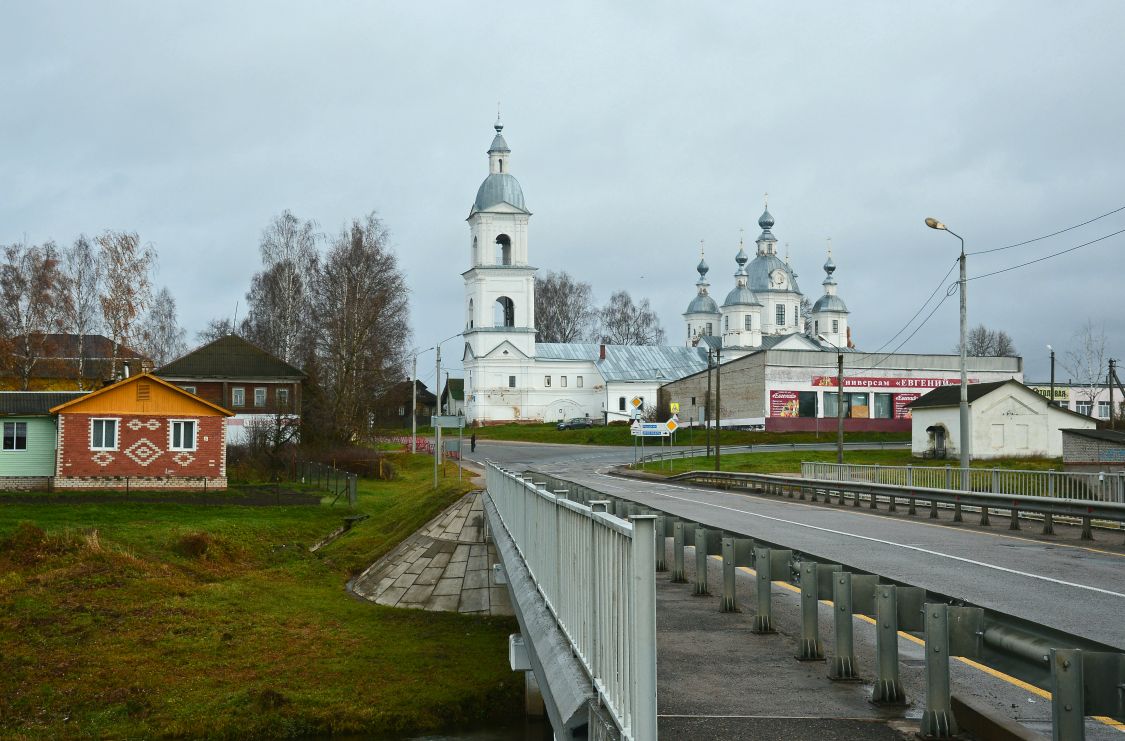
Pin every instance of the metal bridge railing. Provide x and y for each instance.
(1098, 487)
(700, 451)
(597, 575)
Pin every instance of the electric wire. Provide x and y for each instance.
(1047, 236)
(1047, 257)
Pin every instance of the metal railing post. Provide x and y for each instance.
(1068, 721)
(937, 720)
(728, 603)
(888, 689)
(661, 543)
(763, 620)
(678, 575)
(644, 626)
(843, 660)
(810, 648)
(1048, 518)
(701, 538)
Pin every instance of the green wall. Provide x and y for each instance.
(39, 458)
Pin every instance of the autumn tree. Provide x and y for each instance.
(564, 308)
(30, 287)
(162, 338)
(360, 301)
(127, 288)
(80, 283)
(982, 342)
(622, 322)
(279, 298)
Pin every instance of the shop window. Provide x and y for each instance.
(884, 406)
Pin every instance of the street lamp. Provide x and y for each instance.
(1052, 401)
(935, 224)
(839, 399)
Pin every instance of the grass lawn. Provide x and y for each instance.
(132, 620)
(790, 461)
(619, 435)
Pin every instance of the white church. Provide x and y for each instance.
(511, 377)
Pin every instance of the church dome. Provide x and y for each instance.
(741, 296)
(765, 221)
(762, 267)
(702, 304)
(497, 188)
(830, 303)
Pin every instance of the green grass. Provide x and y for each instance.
(140, 620)
(619, 435)
(790, 461)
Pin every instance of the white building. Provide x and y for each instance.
(1006, 420)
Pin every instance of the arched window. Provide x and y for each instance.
(504, 312)
(503, 250)
(501, 161)
(470, 313)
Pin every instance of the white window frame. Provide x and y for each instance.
(282, 397)
(1103, 410)
(562, 381)
(116, 432)
(265, 397)
(835, 326)
(779, 315)
(235, 392)
(747, 322)
(578, 383)
(194, 435)
(547, 381)
(15, 437)
(1084, 407)
(511, 382)
(189, 389)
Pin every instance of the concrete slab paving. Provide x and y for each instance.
(474, 600)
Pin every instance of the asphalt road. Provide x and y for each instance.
(1060, 581)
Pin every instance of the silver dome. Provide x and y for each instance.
(765, 220)
(702, 305)
(741, 296)
(830, 303)
(759, 271)
(497, 188)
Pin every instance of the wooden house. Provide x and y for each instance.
(141, 433)
(29, 430)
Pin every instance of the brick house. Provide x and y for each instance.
(1093, 450)
(260, 388)
(141, 433)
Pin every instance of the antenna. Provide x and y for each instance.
(234, 324)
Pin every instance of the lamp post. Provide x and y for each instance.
(1052, 401)
(964, 406)
(839, 399)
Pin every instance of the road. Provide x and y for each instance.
(1059, 582)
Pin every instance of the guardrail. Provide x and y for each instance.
(1084, 677)
(701, 450)
(893, 495)
(1103, 486)
(596, 573)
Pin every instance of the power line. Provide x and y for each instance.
(1048, 257)
(1048, 236)
(920, 310)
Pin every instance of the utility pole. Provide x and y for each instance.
(1109, 384)
(414, 406)
(437, 427)
(840, 406)
(707, 404)
(718, 405)
(1052, 397)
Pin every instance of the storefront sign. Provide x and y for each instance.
(901, 400)
(889, 383)
(785, 404)
(1061, 392)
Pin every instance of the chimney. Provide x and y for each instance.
(601, 353)
(146, 366)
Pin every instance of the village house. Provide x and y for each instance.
(140, 433)
(56, 365)
(27, 455)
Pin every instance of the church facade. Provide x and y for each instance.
(511, 377)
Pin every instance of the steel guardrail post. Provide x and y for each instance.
(763, 620)
(644, 627)
(1087, 528)
(1048, 518)
(678, 576)
(661, 543)
(888, 689)
(728, 602)
(843, 659)
(1068, 721)
(1015, 523)
(702, 536)
(810, 648)
(937, 719)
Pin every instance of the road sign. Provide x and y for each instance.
(671, 424)
(635, 428)
(650, 429)
(447, 421)
(637, 402)
(675, 407)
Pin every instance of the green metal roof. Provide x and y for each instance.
(26, 403)
(229, 357)
(455, 387)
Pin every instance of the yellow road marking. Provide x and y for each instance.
(1112, 723)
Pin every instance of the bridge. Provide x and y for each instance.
(762, 593)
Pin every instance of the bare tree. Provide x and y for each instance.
(360, 299)
(806, 312)
(127, 289)
(80, 284)
(621, 322)
(982, 342)
(29, 285)
(1085, 361)
(215, 329)
(279, 295)
(162, 336)
(564, 308)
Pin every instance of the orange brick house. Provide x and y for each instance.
(141, 433)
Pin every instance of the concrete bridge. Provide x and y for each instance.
(713, 672)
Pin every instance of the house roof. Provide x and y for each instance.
(1109, 436)
(229, 357)
(20, 403)
(59, 358)
(950, 396)
(114, 389)
(630, 362)
(455, 387)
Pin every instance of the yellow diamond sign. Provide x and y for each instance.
(637, 402)
(672, 424)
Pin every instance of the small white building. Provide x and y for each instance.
(1006, 420)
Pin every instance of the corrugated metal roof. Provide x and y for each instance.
(630, 362)
(229, 357)
(14, 403)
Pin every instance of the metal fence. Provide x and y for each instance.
(334, 480)
(1098, 487)
(699, 451)
(597, 575)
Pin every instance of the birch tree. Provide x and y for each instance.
(278, 299)
(622, 322)
(163, 338)
(80, 282)
(564, 308)
(29, 284)
(1085, 361)
(127, 288)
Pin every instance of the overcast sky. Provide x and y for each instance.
(636, 130)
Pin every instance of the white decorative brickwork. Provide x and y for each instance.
(183, 458)
(103, 458)
(143, 451)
